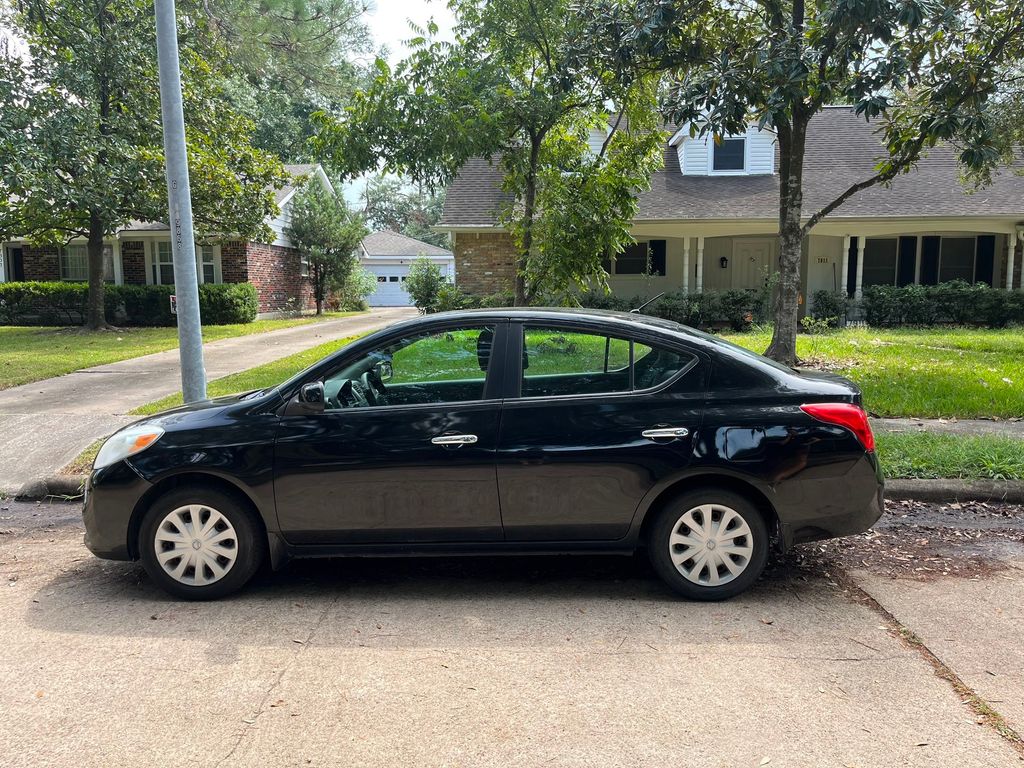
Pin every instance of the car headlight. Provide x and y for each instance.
(127, 442)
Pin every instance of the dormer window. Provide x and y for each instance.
(729, 155)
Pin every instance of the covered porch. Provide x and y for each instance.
(840, 255)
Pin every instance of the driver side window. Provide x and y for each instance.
(436, 367)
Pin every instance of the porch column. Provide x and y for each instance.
(686, 265)
(700, 265)
(858, 292)
(1011, 252)
(846, 265)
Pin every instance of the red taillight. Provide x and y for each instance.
(846, 415)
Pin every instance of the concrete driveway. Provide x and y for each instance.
(491, 661)
(46, 424)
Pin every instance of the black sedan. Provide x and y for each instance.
(525, 431)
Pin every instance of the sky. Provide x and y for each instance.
(388, 22)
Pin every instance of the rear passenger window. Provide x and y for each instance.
(561, 362)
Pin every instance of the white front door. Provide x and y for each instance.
(751, 263)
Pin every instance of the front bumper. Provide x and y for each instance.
(111, 496)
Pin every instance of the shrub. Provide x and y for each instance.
(737, 308)
(139, 305)
(831, 307)
(57, 303)
(450, 297)
(423, 283)
(351, 293)
(16, 302)
(227, 303)
(602, 300)
(500, 299)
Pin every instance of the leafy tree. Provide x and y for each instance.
(81, 150)
(523, 83)
(284, 60)
(923, 72)
(327, 234)
(392, 203)
(356, 286)
(424, 283)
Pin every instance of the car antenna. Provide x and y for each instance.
(646, 304)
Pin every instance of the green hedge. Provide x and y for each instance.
(956, 302)
(59, 303)
(712, 309)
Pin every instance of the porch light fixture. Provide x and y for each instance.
(723, 262)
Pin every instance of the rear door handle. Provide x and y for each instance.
(665, 432)
(454, 439)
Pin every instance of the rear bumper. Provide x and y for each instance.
(855, 503)
(111, 496)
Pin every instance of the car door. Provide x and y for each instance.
(600, 417)
(413, 459)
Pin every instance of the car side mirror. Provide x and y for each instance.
(385, 371)
(312, 393)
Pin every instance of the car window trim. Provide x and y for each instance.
(321, 371)
(515, 353)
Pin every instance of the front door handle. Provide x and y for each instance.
(454, 439)
(665, 432)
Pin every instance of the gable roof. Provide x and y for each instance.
(842, 149)
(385, 243)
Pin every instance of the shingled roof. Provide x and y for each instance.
(842, 149)
(388, 244)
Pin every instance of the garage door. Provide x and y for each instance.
(389, 291)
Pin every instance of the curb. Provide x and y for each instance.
(55, 485)
(1010, 491)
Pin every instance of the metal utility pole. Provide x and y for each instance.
(179, 206)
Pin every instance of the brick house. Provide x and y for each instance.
(710, 219)
(140, 254)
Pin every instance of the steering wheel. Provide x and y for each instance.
(376, 392)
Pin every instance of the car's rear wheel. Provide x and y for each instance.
(709, 544)
(199, 543)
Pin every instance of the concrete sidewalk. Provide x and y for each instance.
(45, 424)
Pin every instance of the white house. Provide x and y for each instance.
(389, 255)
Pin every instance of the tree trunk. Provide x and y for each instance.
(792, 143)
(529, 211)
(95, 317)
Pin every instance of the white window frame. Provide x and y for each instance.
(303, 264)
(108, 253)
(712, 146)
(153, 262)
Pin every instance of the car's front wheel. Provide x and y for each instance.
(709, 544)
(199, 543)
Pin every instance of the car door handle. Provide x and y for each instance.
(454, 439)
(663, 432)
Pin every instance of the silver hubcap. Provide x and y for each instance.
(711, 545)
(196, 545)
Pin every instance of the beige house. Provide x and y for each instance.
(710, 219)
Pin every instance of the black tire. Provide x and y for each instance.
(249, 541)
(671, 514)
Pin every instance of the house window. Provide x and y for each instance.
(382, 278)
(393, 279)
(163, 264)
(956, 259)
(880, 262)
(74, 263)
(729, 155)
(208, 263)
(638, 259)
(303, 264)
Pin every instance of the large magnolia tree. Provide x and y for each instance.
(923, 71)
(81, 150)
(523, 83)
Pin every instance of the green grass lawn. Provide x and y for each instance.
(959, 372)
(924, 455)
(31, 354)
